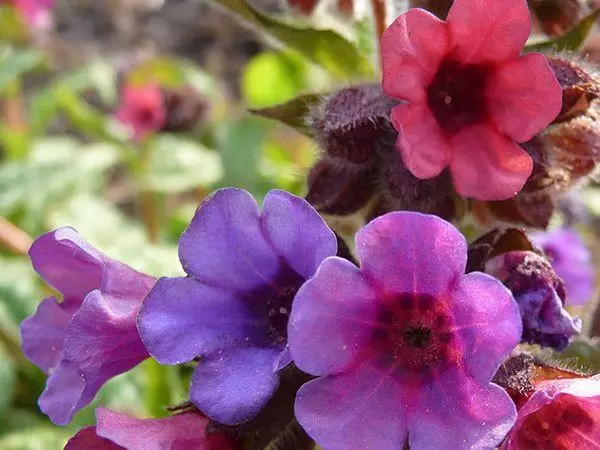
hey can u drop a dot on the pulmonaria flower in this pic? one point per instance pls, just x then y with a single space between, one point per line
36 13
404 346
114 431
244 267
541 296
571 261
471 97
90 336
561 414
142 108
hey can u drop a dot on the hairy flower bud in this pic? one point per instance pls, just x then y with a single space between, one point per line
556 17
184 107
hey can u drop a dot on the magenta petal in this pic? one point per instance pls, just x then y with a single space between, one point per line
357 410
333 316
488 31
87 439
456 412
411 51
181 319
297 232
488 322
233 385
523 96
411 252
224 244
44 332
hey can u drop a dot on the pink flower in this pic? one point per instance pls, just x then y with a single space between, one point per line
35 12
142 108
471 97
561 414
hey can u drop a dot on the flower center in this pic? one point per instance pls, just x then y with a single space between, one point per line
456 95
415 334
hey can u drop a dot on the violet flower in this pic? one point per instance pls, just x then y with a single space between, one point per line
90 336
540 294
406 345
244 267
186 431
571 261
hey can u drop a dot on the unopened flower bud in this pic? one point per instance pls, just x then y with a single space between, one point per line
184 107
556 17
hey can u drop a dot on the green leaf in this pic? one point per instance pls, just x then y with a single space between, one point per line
323 47
7 382
583 355
13 64
176 164
293 113
572 40
35 438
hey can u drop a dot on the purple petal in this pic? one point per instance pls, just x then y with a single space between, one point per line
225 245
357 410
332 318
101 342
488 322
44 332
233 385
181 319
87 439
457 412
410 252
297 232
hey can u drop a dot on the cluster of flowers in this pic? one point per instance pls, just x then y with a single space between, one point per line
411 344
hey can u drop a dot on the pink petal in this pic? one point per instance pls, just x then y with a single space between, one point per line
332 318
488 30
424 149
523 96
488 322
411 51
87 439
487 165
357 410
456 412
395 254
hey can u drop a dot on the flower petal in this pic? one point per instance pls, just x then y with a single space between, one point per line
224 244
424 149
411 51
297 231
44 332
101 342
332 317
411 252
87 439
181 319
523 96
488 322
457 412
487 165
356 410
233 385
488 31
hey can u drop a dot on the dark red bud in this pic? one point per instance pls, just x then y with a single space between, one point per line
438 7
557 16
185 108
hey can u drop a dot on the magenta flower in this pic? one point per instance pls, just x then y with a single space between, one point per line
561 414
571 261
244 267
90 336
36 13
142 108
406 345
470 96
186 431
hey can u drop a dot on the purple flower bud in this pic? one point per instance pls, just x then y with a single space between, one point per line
540 294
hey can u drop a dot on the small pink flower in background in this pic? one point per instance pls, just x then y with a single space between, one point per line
561 414
471 97
142 108
35 12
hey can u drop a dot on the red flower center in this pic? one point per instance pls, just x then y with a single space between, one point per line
415 335
456 95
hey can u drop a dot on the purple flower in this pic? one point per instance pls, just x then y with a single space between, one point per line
406 345
244 267
90 336
571 261
540 294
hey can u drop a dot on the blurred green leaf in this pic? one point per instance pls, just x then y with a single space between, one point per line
293 113
572 40
166 72
584 354
16 419
43 437
7 380
15 63
176 164
323 47
11 25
